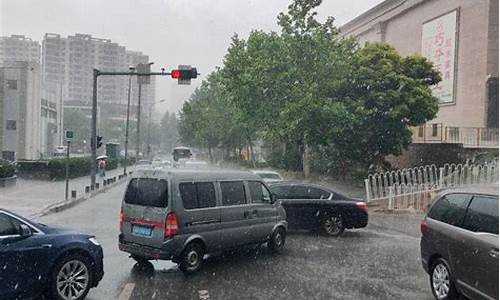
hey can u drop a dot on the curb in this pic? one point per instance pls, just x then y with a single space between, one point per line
66 204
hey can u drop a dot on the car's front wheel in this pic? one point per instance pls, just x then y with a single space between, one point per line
71 278
441 280
333 224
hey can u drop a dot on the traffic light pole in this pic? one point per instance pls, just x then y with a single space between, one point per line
126 126
138 140
93 124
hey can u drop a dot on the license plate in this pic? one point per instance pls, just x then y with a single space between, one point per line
141 230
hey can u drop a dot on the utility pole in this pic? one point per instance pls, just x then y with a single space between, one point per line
93 131
149 132
138 140
128 121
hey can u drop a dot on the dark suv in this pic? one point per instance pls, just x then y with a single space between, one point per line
459 244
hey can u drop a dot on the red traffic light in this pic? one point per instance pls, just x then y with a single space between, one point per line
176 74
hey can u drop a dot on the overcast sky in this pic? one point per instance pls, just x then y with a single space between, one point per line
171 32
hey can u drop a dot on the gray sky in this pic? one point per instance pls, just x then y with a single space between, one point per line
171 32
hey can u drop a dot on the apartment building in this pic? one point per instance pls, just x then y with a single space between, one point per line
19 48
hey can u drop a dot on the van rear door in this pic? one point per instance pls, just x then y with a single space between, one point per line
144 211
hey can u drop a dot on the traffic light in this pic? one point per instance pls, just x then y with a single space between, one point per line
99 141
184 74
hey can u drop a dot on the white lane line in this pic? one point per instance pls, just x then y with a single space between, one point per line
204 295
127 291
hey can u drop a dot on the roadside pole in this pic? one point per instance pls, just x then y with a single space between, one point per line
127 125
138 140
93 131
69 136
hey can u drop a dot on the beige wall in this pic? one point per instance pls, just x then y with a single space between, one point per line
477 51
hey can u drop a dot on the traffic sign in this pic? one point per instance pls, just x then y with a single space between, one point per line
68 134
143 68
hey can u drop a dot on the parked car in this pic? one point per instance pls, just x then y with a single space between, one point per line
195 164
181 215
143 164
38 259
311 206
459 244
268 176
60 151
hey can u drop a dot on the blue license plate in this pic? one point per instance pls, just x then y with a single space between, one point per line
142 230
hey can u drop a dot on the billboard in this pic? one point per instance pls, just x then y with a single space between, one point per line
439 38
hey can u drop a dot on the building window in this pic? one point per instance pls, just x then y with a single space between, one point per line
434 129
421 131
12 84
11 125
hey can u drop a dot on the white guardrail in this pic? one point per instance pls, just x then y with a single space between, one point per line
415 187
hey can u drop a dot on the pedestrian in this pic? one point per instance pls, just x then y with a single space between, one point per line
102 168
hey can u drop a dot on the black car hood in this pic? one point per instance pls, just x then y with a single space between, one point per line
58 230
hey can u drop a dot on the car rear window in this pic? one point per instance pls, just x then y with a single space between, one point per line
450 209
197 195
147 192
482 215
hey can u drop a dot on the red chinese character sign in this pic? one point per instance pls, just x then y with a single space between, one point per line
438 45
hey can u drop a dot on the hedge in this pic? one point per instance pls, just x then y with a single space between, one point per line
56 168
7 169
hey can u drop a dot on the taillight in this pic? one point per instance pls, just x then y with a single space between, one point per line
171 224
121 219
423 226
361 206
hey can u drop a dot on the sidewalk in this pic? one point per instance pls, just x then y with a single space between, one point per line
29 197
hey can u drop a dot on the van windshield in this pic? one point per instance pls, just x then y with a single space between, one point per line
147 192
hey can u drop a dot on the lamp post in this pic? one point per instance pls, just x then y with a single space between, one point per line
131 68
138 146
149 126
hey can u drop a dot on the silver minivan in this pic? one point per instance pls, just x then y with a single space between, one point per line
181 215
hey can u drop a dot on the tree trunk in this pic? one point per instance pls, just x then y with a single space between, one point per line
306 156
210 155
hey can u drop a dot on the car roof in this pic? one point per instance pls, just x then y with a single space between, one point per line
196 175
487 189
264 171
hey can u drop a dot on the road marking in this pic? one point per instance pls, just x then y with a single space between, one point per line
204 295
127 291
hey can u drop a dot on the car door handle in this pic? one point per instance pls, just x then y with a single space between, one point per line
494 253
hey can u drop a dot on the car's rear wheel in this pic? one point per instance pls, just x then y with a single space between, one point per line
192 258
441 280
277 240
71 278
333 224
140 259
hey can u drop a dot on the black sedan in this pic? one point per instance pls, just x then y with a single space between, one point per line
311 206
37 259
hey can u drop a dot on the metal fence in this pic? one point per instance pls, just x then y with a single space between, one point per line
416 187
469 137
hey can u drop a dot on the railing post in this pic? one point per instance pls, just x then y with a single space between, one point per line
441 177
367 188
390 205
478 136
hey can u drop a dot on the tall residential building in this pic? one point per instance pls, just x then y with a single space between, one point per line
70 62
20 110
19 48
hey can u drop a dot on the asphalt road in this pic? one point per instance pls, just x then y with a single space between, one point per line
371 263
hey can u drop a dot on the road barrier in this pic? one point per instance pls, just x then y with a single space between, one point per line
415 188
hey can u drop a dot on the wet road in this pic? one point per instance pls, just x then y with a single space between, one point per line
372 263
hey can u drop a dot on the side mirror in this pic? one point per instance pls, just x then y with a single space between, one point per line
25 231
273 198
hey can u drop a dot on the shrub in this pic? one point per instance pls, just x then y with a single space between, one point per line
7 169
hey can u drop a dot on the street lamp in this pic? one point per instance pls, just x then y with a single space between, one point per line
131 69
149 125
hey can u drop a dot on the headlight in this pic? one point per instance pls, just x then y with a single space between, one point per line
94 241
